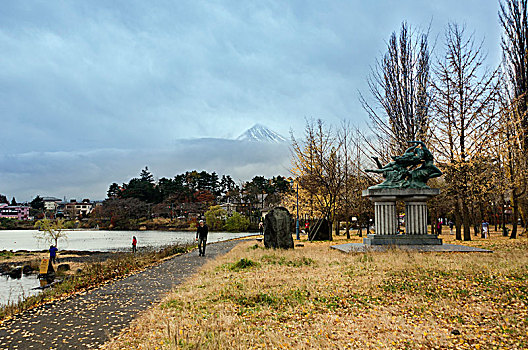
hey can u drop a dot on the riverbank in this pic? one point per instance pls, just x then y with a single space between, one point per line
317 297
86 270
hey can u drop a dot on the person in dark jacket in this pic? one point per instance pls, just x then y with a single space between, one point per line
53 253
201 237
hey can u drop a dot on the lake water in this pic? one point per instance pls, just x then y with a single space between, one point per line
12 290
99 240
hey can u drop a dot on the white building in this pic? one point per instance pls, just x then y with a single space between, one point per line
51 203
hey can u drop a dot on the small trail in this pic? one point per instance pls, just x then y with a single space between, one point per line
88 320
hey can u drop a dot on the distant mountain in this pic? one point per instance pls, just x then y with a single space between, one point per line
260 133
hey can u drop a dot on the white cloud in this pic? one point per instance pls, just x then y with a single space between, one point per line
88 174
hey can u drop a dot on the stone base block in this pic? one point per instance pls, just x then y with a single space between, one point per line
402 240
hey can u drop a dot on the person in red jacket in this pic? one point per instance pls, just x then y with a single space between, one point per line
134 244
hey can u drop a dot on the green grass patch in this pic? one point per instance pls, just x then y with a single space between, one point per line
6 254
241 264
297 262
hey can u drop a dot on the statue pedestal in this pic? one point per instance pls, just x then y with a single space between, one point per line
386 219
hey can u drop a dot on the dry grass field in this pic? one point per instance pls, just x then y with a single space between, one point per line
317 297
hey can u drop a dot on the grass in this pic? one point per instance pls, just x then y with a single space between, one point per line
94 274
6 255
317 297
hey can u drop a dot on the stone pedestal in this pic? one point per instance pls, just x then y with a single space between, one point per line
386 219
385 215
416 215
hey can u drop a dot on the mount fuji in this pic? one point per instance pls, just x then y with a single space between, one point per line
260 133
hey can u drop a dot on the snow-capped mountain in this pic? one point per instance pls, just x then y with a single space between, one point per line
259 132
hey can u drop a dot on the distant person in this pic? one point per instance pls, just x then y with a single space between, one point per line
201 237
134 244
451 225
261 228
53 253
485 229
307 227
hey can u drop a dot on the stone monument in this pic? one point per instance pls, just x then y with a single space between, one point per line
277 232
405 180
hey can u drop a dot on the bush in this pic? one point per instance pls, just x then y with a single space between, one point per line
237 223
69 224
243 264
214 217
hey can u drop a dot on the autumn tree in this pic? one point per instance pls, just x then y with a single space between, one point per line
50 231
318 167
514 21
465 115
215 217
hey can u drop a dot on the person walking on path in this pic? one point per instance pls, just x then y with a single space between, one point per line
451 225
261 228
485 229
201 237
53 253
134 244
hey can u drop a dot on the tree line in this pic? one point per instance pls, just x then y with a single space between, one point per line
192 192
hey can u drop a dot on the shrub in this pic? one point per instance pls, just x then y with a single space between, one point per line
237 223
214 217
242 264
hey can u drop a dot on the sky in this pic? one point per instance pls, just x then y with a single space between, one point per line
93 91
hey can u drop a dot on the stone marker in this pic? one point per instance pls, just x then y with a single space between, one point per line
277 229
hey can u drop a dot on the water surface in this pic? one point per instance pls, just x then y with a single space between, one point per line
99 240
14 290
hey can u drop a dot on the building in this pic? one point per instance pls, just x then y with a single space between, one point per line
51 203
230 208
74 209
18 212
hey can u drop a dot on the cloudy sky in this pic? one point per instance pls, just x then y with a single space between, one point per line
92 91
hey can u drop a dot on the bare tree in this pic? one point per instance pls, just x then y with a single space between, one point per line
465 114
513 17
400 85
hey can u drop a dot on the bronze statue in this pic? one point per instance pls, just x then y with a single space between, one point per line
401 172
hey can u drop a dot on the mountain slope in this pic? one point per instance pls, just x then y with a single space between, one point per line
260 133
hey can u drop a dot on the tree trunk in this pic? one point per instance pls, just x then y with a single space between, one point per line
330 230
495 217
475 228
347 229
515 214
466 221
458 221
504 228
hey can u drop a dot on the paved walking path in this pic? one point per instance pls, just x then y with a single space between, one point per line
90 319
